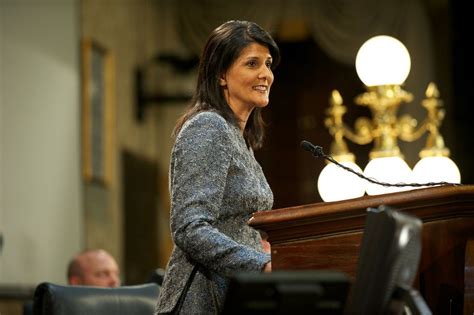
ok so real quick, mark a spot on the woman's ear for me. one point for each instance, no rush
(222, 80)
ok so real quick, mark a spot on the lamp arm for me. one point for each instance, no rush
(363, 131)
(432, 122)
(407, 130)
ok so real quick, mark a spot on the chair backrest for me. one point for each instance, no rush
(157, 276)
(54, 299)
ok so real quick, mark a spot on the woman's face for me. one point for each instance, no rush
(248, 80)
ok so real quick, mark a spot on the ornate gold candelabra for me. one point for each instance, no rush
(385, 127)
(384, 97)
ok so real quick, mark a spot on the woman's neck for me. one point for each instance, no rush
(242, 116)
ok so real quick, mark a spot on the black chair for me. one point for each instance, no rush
(54, 299)
(157, 276)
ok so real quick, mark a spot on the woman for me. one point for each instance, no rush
(215, 182)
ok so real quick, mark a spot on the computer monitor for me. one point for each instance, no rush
(287, 292)
(387, 265)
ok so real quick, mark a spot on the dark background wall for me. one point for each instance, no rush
(300, 95)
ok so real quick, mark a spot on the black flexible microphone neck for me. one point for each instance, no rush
(317, 151)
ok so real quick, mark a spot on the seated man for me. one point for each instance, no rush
(94, 267)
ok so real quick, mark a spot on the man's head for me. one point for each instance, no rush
(95, 268)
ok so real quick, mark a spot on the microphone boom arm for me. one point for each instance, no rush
(317, 151)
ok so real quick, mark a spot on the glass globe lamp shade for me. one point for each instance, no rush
(436, 169)
(335, 183)
(383, 60)
(393, 170)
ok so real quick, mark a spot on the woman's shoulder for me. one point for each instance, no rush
(205, 131)
(206, 121)
(209, 117)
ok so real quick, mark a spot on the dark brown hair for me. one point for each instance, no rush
(222, 48)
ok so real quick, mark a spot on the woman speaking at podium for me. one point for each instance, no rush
(215, 181)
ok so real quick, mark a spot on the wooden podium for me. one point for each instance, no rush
(328, 236)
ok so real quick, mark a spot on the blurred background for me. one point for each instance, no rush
(74, 176)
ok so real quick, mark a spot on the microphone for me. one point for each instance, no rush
(317, 151)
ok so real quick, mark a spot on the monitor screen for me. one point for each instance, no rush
(388, 260)
(287, 292)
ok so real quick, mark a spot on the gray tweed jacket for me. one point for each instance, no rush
(216, 184)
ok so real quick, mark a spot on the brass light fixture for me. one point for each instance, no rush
(383, 64)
